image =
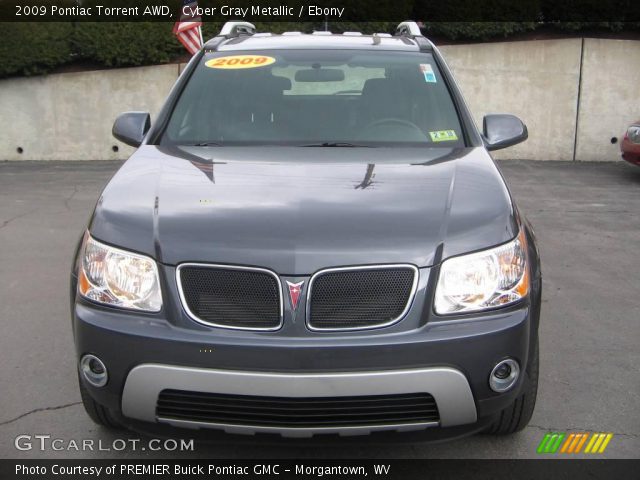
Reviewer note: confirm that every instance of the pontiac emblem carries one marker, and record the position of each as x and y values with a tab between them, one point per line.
294	293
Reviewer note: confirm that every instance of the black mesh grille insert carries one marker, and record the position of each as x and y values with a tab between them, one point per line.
360	298
297	412
232	298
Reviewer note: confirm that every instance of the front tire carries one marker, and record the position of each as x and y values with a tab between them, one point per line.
517	415
99	414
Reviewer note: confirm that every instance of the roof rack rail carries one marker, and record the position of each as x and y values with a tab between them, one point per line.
236	28
408	29
411	30
232	29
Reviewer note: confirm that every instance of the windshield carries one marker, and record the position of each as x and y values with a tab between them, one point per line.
315	98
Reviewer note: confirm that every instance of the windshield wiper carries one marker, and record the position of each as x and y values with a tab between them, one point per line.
205	144
338	144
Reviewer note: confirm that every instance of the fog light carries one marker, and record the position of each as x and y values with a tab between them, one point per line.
504	375
93	370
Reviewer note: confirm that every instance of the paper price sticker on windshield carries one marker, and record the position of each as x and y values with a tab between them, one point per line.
443	136
427	71
240	61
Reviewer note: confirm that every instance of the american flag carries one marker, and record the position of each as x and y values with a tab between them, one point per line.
205	167
188	28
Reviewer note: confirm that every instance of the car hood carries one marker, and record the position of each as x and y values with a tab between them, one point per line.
298	210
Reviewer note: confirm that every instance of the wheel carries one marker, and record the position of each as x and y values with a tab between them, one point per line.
517	415
99	414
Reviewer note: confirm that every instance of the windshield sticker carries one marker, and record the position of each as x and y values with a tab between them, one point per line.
240	61
443	136
427	71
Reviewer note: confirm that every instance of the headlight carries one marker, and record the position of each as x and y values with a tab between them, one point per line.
633	134
482	280
115	277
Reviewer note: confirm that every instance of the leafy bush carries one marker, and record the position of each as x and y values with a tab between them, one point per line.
595	26
120	44
30	49
37	48
477	30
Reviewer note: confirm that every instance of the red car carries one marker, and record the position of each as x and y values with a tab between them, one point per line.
630	145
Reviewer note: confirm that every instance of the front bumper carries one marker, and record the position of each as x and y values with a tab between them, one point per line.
450	360
450	387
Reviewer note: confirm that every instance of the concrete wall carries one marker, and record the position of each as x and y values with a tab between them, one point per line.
609	96
537	81
69	116
548	83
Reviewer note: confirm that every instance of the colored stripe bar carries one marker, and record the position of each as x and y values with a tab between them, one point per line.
596	445
567	442
591	442
550	443
572	443
543	443
557	443
581	443
605	443
575	442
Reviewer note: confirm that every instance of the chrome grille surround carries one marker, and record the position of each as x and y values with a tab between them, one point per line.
195	317
398	318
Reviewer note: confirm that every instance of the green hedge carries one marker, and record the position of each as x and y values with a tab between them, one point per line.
115	44
477	30
37	48
29	49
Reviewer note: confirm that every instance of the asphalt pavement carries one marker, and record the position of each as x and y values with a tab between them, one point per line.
586	217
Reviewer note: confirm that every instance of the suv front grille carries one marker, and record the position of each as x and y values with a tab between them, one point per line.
297	412
232	297
360	297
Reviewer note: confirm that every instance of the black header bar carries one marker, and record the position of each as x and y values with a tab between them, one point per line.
315	469
597	11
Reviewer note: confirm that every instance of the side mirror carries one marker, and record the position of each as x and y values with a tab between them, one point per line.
502	130
131	127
